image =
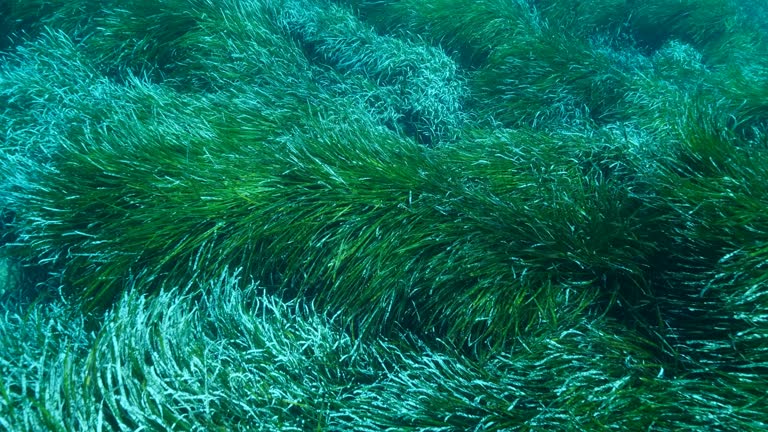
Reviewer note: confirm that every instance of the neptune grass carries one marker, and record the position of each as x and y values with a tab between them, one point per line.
443	215
236	358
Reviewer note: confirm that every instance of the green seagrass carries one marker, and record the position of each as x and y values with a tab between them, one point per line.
383	215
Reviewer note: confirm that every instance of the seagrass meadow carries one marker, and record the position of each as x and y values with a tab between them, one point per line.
391	215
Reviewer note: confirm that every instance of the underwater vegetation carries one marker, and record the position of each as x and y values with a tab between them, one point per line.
443	215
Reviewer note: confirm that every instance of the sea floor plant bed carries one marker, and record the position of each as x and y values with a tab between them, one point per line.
398	215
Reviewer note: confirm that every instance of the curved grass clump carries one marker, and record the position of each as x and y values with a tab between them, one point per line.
708	25
46	105
570	80
201	45
234	358
227	361
471	31
518	60
744	101
586	18
716	184
713	27
21	18
425	87
215	181
325	215
676	81
441	392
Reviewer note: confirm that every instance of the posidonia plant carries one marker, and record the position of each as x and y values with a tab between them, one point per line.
383	215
